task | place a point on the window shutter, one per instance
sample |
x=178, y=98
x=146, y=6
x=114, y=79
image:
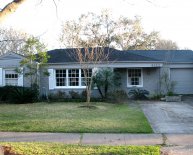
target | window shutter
x=20, y=80
x=1, y=77
x=51, y=79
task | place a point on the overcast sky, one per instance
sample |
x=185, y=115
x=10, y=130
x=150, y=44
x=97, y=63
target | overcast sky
x=172, y=18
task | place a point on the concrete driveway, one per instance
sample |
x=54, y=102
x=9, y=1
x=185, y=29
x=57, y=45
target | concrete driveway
x=167, y=117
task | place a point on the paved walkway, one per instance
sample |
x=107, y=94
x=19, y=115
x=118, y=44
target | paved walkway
x=99, y=139
x=174, y=144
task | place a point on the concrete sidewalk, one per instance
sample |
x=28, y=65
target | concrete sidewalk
x=99, y=139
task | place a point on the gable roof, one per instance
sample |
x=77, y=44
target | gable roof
x=11, y=55
x=173, y=56
x=65, y=56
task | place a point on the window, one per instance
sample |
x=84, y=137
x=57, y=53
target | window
x=71, y=77
x=85, y=79
x=61, y=77
x=11, y=78
x=134, y=77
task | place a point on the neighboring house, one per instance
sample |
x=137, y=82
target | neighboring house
x=141, y=68
x=8, y=64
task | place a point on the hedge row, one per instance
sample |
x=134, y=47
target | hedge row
x=16, y=94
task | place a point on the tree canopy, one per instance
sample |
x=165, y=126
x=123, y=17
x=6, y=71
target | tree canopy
x=104, y=31
x=166, y=45
x=12, y=41
x=35, y=57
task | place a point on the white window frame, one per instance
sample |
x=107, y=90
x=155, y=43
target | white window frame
x=67, y=80
x=141, y=85
x=4, y=76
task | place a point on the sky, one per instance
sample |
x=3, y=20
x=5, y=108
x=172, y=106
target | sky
x=172, y=18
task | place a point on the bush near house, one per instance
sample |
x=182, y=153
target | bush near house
x=21, y=148
x=16, y=94
x=138, y=94
x=117, y=96
x=71, y=96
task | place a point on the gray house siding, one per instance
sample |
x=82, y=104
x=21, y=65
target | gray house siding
x=44, y=84
x=9, y=62
x=150, y=82
x=150, y=79
x=154, y=64
x=12, y=61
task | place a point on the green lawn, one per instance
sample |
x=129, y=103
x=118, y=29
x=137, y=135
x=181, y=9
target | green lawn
x=69, y=117
x=61, y=149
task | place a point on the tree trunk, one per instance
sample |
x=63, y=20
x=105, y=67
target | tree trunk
x=100, y=92
x=88, y=94
x=10, y=8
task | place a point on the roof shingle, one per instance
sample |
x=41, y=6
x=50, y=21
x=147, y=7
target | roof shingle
x=65, y=56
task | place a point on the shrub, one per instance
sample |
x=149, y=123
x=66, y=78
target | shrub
x=24, y=95
x=157, y=96
x=118, y=96
x=61, y=96
x=58, y=96
x=74, y=95
x=83, y=94
x=5, y=93
x=138, y=94
x=16, y=94
x=170, y=93
x=106, y=79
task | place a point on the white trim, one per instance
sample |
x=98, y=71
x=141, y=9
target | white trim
x=67, y=80
x=129, y=86
x=69, y=87
x=79, y=78
x=169, y=73
x=109, y=64
x=141, y=63
x=51, y=79
x=20, y=79
x=1, y=76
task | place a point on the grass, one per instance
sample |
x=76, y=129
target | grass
x=62, y=149
x=69, y=117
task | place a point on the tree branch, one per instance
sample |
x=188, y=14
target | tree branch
x=7, y=40
x=10, y=8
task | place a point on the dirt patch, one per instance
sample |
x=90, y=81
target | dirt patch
x=7, y=150
x=88, y=106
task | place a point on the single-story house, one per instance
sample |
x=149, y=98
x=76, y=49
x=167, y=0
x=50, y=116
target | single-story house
x=138, y=68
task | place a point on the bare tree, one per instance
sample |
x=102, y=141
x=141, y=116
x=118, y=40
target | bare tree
x=12, y=41
x=88, y=29
x=88, y=43
x=130, y=35
x=12, y=7
x=91, y=33
x=89, y=58
x=122, y=33
x=166, y=45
